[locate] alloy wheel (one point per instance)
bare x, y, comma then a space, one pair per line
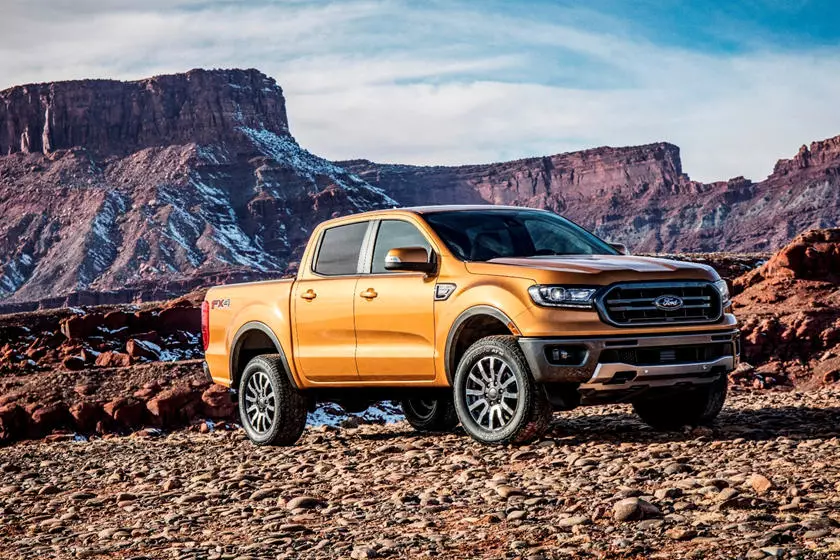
261, 402
492, 393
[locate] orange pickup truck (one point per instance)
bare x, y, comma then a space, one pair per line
491, 317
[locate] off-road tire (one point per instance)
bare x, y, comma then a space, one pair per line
431, 415
532, 413
288, 419
695, 407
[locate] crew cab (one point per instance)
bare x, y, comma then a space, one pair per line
490, 317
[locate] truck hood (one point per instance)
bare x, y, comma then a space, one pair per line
594, 269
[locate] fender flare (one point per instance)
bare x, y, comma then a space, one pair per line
458, 326
266, 330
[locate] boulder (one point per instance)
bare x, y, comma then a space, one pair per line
126, 412
49, 417
81, 326
115, 320
13, 421
86, 415
73, 363
112, 359
217, 403
174, 406
141, 350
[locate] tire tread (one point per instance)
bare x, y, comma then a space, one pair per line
538, 410
292, 404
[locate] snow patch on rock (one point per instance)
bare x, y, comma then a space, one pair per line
285, 150
331, 414
14, 274
103, 238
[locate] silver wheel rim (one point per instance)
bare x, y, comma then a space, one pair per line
260, 402
492, 393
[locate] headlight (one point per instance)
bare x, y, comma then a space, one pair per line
723, 290
560, 296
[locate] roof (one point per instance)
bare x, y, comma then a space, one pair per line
461, 208
422, 210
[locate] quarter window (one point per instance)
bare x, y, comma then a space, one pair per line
395, 234
340, 248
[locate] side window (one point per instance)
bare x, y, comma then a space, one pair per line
340, 248
393, 234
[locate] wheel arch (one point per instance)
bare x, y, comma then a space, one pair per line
253, 339
471, 325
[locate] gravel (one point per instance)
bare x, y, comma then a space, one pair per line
764, 482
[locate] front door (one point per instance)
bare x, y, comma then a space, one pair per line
395, 326
324, 299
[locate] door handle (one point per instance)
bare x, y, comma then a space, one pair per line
370, 293
309, 295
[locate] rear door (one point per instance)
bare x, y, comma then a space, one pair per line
324, 298
395, 325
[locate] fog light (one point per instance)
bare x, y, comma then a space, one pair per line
566, 355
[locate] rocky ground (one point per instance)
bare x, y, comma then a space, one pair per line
763, 483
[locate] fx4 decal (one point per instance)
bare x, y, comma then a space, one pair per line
220, 304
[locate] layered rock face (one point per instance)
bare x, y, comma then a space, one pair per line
121, 191
640, 195
111, 117
112, 190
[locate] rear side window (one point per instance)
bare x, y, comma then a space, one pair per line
395, 234
340, 248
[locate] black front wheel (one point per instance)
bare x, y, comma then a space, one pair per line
496, 397
694, 407
431, 415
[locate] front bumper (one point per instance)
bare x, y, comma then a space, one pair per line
597, 370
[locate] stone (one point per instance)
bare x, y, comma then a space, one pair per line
112, 359
304, 502
760, 483
217, 402
174, 405
73, 363
13, 422
634, 509
681, 533
573, 521
127, 412
86, 415
141, 350
48, 417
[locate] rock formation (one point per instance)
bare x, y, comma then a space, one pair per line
790, 312
133, 191
143, 190
640, 195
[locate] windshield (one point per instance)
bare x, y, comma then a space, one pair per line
482, 235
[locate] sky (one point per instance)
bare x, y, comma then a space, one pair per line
737, 85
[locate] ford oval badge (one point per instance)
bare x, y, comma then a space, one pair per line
668, 303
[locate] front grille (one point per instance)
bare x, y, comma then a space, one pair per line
666, 355
634, 304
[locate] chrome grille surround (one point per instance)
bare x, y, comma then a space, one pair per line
631, 304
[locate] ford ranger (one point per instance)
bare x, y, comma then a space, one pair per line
485, 316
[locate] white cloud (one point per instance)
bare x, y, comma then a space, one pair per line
443, 84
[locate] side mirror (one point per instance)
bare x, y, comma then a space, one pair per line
409, 259
621, 248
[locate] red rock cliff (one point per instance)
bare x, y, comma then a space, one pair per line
112, 117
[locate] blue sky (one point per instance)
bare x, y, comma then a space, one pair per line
737, 85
